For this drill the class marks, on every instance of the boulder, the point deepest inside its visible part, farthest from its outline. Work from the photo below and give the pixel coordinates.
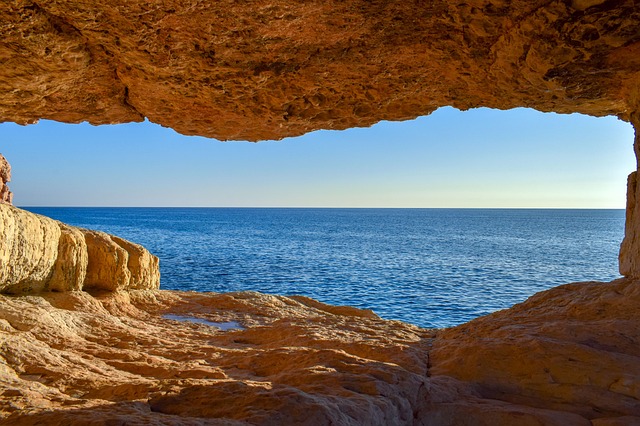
(40, 254)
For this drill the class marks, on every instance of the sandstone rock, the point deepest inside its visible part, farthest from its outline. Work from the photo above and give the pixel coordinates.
(568, 356)
(5, 176)
(70, 269)
(264, 70)
(40, 254)
(28, 250)
(573, 349)
(107, 267)
(629, 258)
(261, 70)
(143, 266)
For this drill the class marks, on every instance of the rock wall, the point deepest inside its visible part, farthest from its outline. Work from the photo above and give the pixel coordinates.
(629, 258)
(40, 254)
(5, 176)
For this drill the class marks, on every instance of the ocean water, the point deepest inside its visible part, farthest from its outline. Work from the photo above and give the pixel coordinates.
(430, 267)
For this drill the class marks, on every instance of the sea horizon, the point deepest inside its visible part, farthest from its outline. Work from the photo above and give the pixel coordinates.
(323, 207)
(433, 267)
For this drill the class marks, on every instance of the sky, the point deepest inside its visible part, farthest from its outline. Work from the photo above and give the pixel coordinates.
(480, 158)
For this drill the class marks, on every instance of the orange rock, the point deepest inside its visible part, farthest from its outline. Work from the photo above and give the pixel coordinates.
(266, 70)
(573, 348)
(568, 356)
(630, 248)
(40, 254)
(70, 268)
(28, 249)
(5, 176)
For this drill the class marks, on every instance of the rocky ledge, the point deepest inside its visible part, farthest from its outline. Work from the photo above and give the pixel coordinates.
(567, 356)
(41, 254)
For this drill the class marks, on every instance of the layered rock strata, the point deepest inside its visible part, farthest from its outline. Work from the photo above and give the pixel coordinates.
(568, 356)
(6, 196)
(40, 254)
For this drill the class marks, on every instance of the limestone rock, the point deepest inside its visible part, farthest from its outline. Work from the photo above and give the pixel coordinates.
(629, 258)
(40, 254)
(573, 348)
(270, 69)
(107, 267)
(262, 70)
(5, 176)
(568, 356)
(70, 269)
(143, 266)
(28, 250)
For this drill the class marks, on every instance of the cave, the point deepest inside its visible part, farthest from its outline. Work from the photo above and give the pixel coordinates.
(269, 70)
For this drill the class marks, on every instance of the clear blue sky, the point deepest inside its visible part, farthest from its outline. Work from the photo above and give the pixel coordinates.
(477, 158)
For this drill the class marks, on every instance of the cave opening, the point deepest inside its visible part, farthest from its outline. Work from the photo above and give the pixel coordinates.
(432, 221)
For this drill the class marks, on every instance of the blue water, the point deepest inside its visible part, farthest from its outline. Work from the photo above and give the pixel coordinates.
(430, 267)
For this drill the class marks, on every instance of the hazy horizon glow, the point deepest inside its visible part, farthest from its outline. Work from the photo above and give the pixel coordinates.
(480, 158)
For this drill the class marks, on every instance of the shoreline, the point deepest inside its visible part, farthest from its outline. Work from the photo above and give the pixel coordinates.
(81, 358)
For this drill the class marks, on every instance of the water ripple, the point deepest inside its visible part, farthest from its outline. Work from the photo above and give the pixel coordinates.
(431, 267)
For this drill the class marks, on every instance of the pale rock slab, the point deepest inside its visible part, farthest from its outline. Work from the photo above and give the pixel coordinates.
(567, 356)
(40, 254)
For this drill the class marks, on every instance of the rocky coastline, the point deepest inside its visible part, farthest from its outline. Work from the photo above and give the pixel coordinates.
(566, 356)
(86, 337)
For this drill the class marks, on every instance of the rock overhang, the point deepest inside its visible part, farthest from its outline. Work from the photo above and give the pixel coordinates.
(268, 70)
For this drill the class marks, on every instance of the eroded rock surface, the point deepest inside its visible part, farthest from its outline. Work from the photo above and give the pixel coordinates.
(574, 348)
(41, 254)
(262, 70)
(629, 258)
(5, 176)
(568, 356)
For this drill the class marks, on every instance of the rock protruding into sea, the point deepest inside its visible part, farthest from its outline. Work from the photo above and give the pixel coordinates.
(5, 176)
(40, 254)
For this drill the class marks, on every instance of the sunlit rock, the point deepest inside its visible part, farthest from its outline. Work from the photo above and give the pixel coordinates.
(568, 356)
(264, 70)
(261, 70)
(5, 176)
(40, 254)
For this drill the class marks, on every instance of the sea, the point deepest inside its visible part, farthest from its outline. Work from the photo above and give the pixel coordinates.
(429, 267)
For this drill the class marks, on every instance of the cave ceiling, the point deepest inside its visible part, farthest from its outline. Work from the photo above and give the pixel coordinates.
(256, 70)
